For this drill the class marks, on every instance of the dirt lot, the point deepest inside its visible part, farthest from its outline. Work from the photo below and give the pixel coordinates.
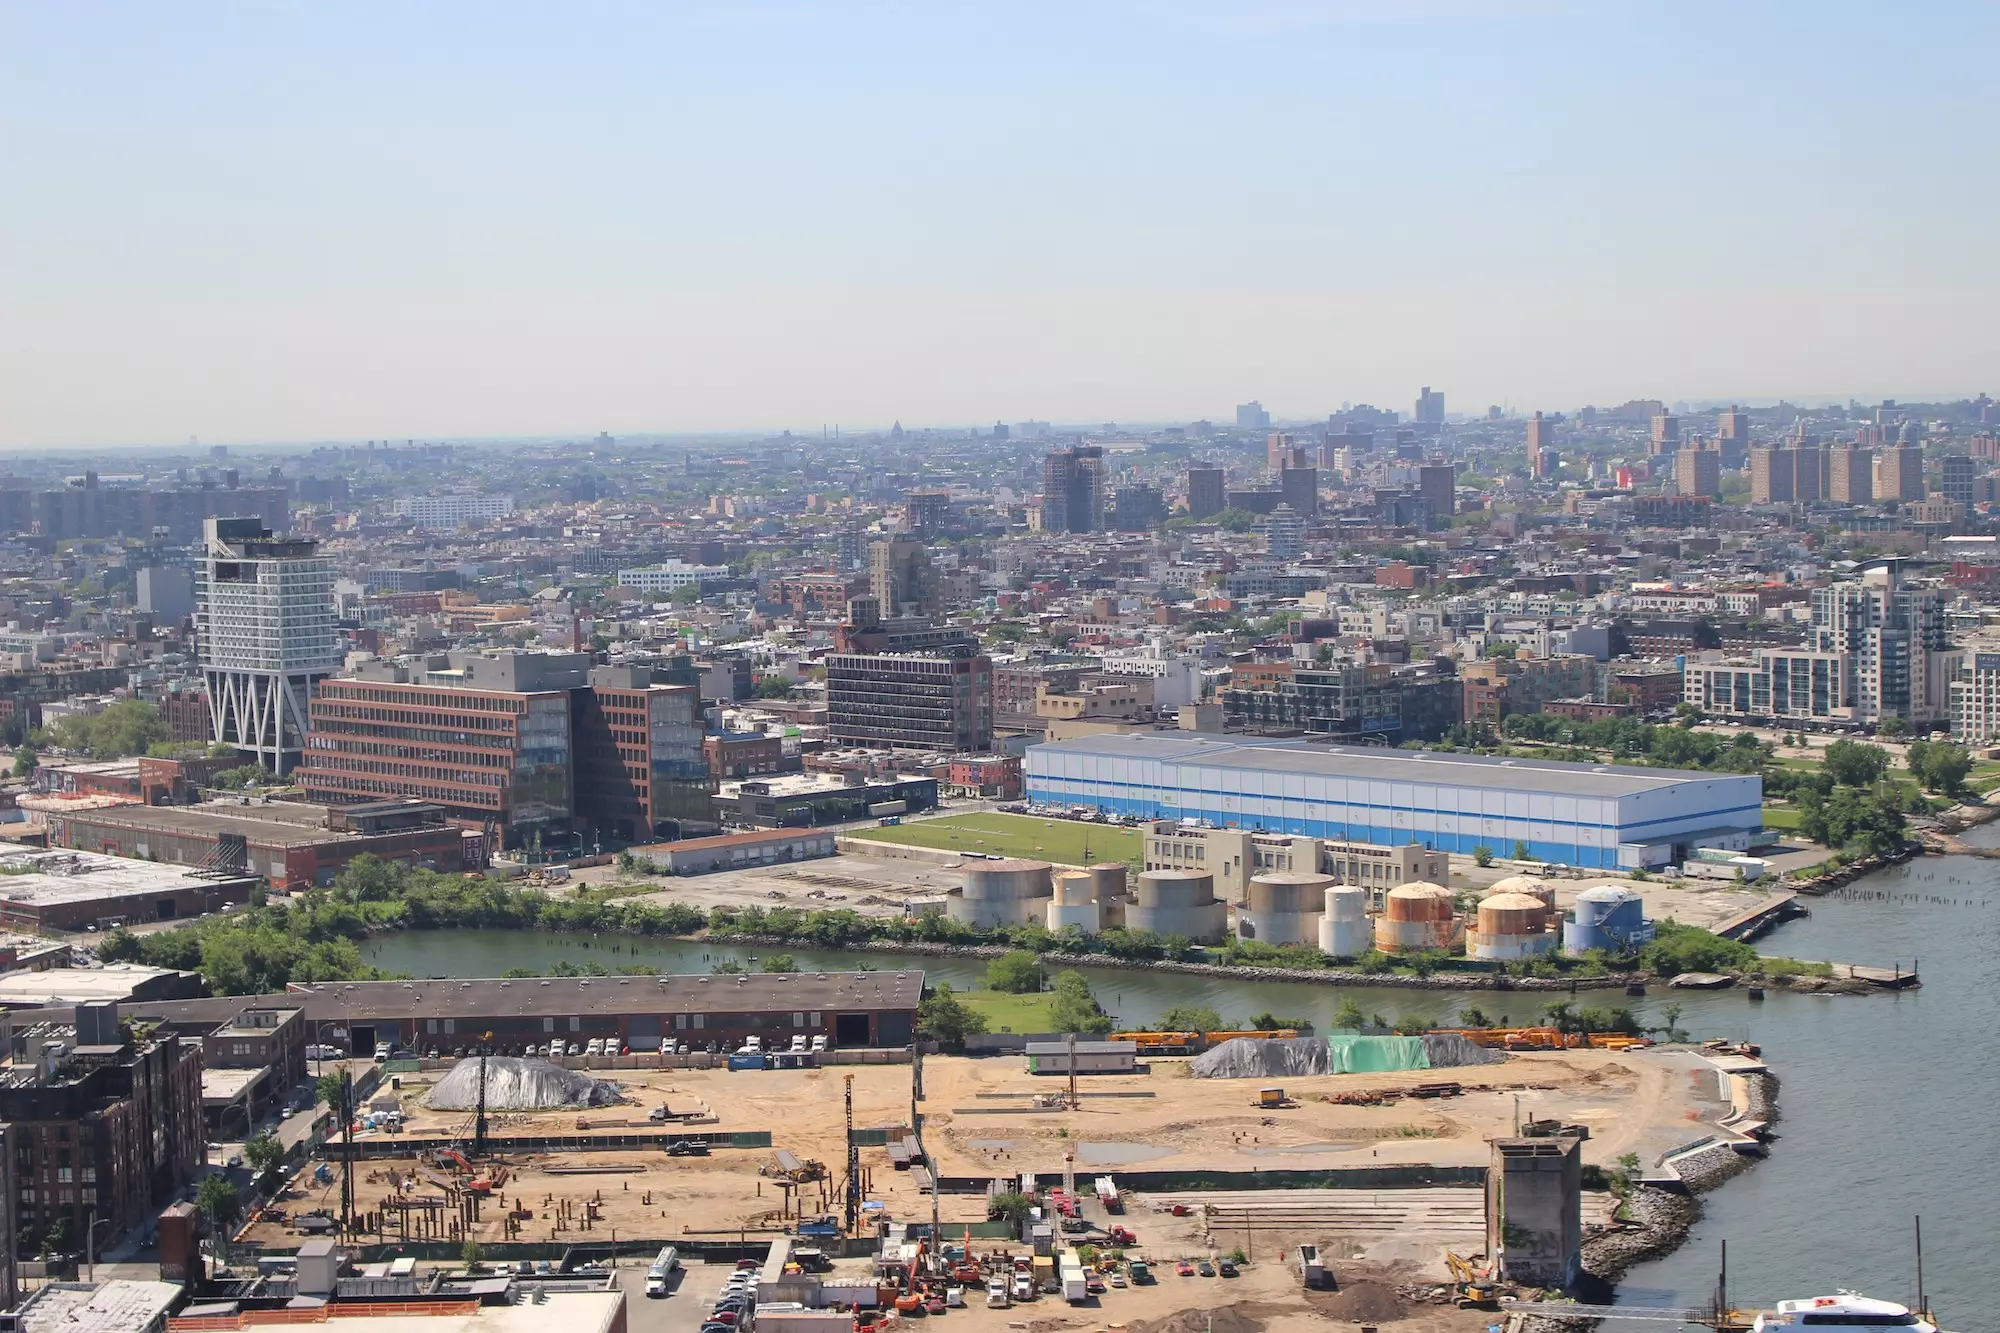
(1640, 1102)
(865, 884)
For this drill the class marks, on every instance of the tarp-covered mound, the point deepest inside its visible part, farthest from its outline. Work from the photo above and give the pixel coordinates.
(519, 1085)
(1338, 1053)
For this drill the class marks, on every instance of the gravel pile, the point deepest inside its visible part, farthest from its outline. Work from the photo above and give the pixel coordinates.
(520, 1085)
(1273, 1057)
(1448, 1050)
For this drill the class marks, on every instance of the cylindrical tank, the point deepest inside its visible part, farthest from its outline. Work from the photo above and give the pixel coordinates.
(1178, 902)
(1610, 916)
(1082, 915)
(1510, 925)
(1075, 886)
(1111, 891)
(1415, 917)
(1343, 929)
(1001, 893)
(1283, 907)
(1532, 885)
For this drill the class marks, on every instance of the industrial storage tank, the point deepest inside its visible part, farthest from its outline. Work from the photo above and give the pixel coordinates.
(1001, 893)
(1112, 891)
(1343, 924)
(1532, 885)
(1609, 916)
(1510, 926)
(1283, 907)
(1179, 902)
(1415, 917)
(1075, 902)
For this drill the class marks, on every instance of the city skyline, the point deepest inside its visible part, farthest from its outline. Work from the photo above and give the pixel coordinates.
(259, 225)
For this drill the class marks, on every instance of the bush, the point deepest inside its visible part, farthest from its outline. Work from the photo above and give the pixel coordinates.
(1018, 972)
(1677, 948)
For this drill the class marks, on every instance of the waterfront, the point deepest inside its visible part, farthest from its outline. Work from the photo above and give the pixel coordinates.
(1885, 1098)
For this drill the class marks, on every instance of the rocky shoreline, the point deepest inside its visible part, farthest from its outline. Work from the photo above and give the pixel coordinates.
(1663, 1218)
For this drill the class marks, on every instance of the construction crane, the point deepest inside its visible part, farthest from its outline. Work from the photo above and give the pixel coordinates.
(853, 1165)
(479, 1116)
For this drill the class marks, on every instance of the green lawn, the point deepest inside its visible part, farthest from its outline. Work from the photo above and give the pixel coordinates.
(1781, 817)
(1066, 841)
(1010, 1013)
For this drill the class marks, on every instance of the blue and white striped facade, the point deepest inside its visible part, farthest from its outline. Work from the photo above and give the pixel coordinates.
(1599, 816)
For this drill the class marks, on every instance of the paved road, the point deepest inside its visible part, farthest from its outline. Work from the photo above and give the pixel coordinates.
(681, 1312)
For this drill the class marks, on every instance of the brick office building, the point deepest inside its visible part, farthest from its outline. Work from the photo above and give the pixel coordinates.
(106, 1125)
(639, 765)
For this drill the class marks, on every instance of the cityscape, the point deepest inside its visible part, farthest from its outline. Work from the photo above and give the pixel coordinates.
(1182, 671)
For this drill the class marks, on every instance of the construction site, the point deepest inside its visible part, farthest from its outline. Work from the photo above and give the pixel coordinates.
(1387, 1176)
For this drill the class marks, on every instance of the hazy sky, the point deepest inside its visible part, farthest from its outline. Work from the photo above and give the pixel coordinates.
(272, 221)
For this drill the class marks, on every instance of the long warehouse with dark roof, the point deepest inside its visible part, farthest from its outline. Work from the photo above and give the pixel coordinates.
(850, 1008)
(1596, 815)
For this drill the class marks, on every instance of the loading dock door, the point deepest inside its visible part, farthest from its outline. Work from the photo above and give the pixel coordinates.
(361, 1039)
(850, 1030)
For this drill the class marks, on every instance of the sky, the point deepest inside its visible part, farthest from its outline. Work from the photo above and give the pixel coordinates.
(260, 222)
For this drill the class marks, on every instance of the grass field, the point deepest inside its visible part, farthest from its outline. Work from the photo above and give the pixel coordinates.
(1781, 817)
(1010, 1013)
(1062, 840)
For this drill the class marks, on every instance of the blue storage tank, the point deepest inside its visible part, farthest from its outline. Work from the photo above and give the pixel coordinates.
(1610, 917)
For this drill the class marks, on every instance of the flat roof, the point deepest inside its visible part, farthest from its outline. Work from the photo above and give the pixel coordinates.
(574, 1311)
(756, 839)
(1368, 762)
(276, 823)
(117, 1306)
(30, 877)
(226, 1085)
(75, 985)
(536, 997)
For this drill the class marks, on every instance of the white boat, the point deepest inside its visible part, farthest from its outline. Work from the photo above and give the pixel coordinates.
(1845, 1310)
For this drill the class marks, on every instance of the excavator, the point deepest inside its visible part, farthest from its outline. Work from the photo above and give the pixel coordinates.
(1472, 1289)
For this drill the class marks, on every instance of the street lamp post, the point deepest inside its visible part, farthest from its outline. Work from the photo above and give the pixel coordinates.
(90, 1245)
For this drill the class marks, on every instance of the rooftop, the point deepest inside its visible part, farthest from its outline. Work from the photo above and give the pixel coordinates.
(117, 1306)
(75, 985)
(265, 823)
(33, 878)
(1344, 761)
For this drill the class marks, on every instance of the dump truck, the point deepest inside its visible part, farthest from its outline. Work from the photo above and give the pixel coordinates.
(1312, 1270)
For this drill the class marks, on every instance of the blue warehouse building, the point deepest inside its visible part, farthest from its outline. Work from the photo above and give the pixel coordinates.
(1594, 815)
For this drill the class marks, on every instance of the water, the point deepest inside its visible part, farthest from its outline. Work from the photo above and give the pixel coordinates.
(1887, 1101)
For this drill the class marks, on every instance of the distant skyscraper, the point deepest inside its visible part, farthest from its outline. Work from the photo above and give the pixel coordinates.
(928, 512)
(1732, 435)
(264, 618)
(1542, 457)
(1435, 482)
(1849, 475)
(1300, 487)
(901, 579)
(1136, 507)
(1955, 479)
(1666, 433)
(1073, 490)
(1899, 473)
(1000, 431)
(1698, 472)
(1773, 476)
(1284, 533)
(1808, 470)
(1252, 416)
(1430, 408)
(1206, 491)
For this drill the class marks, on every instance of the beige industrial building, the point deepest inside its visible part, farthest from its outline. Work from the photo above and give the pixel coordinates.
(1237, 856)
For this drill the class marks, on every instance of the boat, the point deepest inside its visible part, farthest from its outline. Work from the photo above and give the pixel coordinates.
(1847, 1310)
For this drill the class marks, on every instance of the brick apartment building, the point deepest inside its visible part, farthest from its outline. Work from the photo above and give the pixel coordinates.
(105, 1125)
(742, 754)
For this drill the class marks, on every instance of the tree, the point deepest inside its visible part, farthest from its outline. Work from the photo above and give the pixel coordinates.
(1940, 766)
(1190, 1018)
(1017, 972)
(1075, 1008)
(1677, 948)
(218, 1201)
(1671, 1026)
(1482, 855)
(470, 1254)
(26, 761)
(331, 1089)
(947, 1020)
(1474, 1017)
(1521, 851)
(266, 1157)
(780, 962)
(1348, 1017)
(127, 727)
(1855, 764)
(1891, 725)
(771, 687)
(1010, 1204)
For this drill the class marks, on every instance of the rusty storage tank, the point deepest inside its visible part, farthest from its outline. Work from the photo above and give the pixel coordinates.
(1510, 926)
(1415, 917)
(1283, 907)
(1178, 902)
(1011, 892)
(1343, 924)
(1532, 885)
(1112, 891)
(1075, 902)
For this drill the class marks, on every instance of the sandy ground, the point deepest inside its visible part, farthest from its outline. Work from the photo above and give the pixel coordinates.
(1643, 1102)
(874, 887)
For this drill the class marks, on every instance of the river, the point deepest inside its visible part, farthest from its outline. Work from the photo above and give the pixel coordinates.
(1885, 1099)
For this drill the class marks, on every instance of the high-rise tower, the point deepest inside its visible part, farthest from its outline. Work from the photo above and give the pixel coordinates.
(264, 617)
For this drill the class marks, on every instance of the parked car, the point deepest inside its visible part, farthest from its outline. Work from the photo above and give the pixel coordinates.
(1184, 1268)
(1205, 1268)
(1226, 1268)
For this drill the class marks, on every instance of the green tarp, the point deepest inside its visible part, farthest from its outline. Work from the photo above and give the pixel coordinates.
(1352, 1053)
